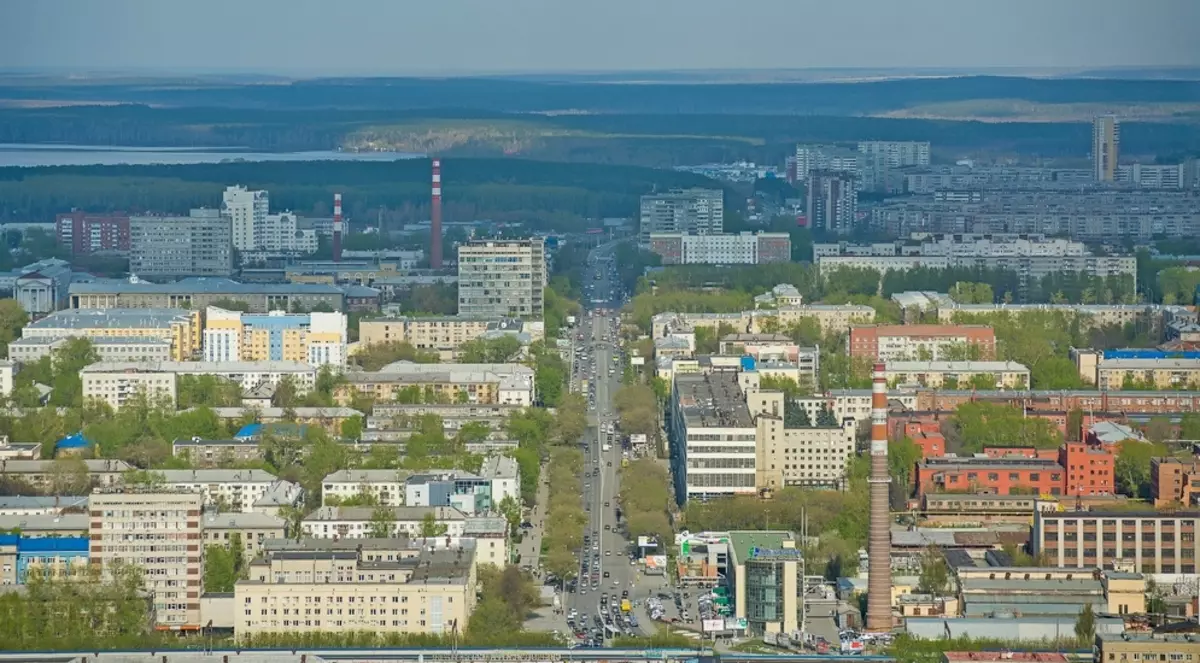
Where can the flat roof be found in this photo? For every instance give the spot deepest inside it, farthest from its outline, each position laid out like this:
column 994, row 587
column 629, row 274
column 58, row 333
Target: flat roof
column 45, row 522
column 144, row 318
column 237, row 520
column 202, row 285
column 217, row 476
column 742, row 542
column 274, row 366
column 712, row 401
column 955, row 366
column 399, row 513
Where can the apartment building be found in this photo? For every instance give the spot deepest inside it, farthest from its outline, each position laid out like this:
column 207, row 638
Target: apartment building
column 112, row 348
column 1106, row 140
column 198, row 293
column 40, row 473
column 444, row 334
column 832, row 203
column 689, row 211
column 406, row 382
column 853, row 403
column 712, row 437
column 505, row 477
column 963, row 181
column 314, row 338
column 356, row 522
column 250, row 530
column 831, row 317
column 1154, row 318
column 890, row 343
column 199, row 244
column 952, row 374
column 502, row 278
column 1113, row 647
column 1031, row 256
column 246, row 212
column 381, row 588
column 810, row 457
column 24, row 556
column 113, row 329
column 1161, row 373
column 898, row 153
column 232, row 490
column 1130, row 402
column 85, row 233
column 1150, row 541
column 1153, row 175
column 1174, row 481
column 745, row 248
column 385, row 486
column 208, row 453
column 116, row 382
column 160, row 533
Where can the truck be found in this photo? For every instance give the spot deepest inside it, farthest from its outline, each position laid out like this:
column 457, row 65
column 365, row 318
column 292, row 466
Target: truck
column 606, row 447
column 625, row 606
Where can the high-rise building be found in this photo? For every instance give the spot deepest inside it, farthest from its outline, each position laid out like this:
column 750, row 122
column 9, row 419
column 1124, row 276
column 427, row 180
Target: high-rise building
column 502, row 278
column 159, row 533
column 195, row 245
column 86, row 233
column 247, row 212
column 898, row 153
column 1106, row 140
column 696, row 211
column 832, row 201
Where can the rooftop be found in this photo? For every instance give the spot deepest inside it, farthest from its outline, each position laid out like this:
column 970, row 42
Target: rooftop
column 399, row 513
column 217, row 476
column 40, row 502
column 201, row 367
column 144, row 318
column 94, row 465
column 241, row 521
column 712, row 401
column 499, row 467
column 743, row 542
column 368, row 476
column 955, row 367
column 278, row 412
column 1149, row 364
column 45, row 522
column 983, row 462
column 209, row 285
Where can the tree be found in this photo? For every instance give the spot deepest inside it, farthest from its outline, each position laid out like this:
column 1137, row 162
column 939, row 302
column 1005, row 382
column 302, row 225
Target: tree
column 1132, row 467
column 903, row 456
column 795, row 416
column 511, row 510
column 12, row 319
column 69, row 476
column 1075, row 425
column 1085, row 625
column 375, row 356
column 352, row 428
column 826, row 418
column 935, row 573
column 220, row 569
column 430, row 527
column 382, row 524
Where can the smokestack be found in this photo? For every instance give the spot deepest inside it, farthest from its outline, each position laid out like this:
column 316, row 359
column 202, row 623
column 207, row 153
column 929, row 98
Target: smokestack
column 337, row 227
column 435, row 218
column 879, row 540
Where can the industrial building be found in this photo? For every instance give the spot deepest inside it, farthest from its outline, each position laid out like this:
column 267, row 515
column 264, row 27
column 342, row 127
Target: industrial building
column 502, row 278
column 1152, row 542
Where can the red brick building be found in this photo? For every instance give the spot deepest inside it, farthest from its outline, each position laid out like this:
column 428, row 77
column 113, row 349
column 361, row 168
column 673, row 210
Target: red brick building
column 1111, row 402
column 925, row 434
column 1073, row 469
column 86, row 233
column 920, row 342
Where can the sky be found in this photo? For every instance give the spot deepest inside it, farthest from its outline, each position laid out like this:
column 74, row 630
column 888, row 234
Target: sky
column 398, row 37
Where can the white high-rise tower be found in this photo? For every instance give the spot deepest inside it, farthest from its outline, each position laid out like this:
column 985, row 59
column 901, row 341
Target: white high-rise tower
column 247, row 211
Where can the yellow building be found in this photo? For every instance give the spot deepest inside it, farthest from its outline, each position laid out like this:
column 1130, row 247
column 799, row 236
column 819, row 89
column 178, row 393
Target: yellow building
column 488, row 384
column 958, row 374
column 380, row 585
column 1142, row 647
column 1162, row 374
column 180, row 327
column 1125, row 592
column 315, row 338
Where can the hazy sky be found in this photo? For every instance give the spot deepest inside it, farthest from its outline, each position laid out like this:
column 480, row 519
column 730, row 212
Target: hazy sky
column 461, row 36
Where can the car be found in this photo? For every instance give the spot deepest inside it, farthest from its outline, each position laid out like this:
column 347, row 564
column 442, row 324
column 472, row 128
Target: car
column 610, row 465
column 606, row 574
column 616, row 583
column 606, row 505
column 607, row 553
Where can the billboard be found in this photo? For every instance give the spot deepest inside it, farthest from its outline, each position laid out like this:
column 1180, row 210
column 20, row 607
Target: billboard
column 656, row 564
column 647, row 542
column 733, row 624
column 710, row 625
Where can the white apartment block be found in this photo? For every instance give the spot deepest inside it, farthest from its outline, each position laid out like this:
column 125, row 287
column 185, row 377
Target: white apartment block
column 898, row 153
column 1152, row 176
column 811, row 457
column 502, row 278
column 955, row 374
column 853, row 403
column 716, row 437
column 235, row 490
column 386, row 486
column 161, row 534
column 692, row 211
column 355, row 522
column 247, row 212
column 280, row 235
column 505, row 475
column 832, row 318
column 314, row 338
column 722, row 249
column 115, row 383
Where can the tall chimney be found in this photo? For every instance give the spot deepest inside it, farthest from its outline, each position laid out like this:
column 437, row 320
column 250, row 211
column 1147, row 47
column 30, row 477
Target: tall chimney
column 879, row 540
column 435, row 218
column 337, row 227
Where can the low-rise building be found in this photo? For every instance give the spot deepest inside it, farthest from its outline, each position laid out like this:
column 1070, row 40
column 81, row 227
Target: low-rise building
column 1157, row 373
column 115, row 348
column 46, row 525
column 505, row 475
column 19, row 450
column 47, row 556
column 234, row 490
column 214, row 453
column 382, row 589
column 1174, row 481
column 198, row 293
column 180, row 328
column 1127, row 646
column 465, row 491
column 329, row 418
column 1148, row 541
column 386, row 487
column 37, row 505
column 356, row 522
column 508, row 384
column 951, row 374
column 41, row 475
column 744, row 248
column 443, row 334
column 114, row 383
column 250, row 530
column 889, row 343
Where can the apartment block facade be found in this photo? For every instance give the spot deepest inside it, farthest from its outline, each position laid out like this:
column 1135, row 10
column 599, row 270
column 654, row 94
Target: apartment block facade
column 502, row 278
column 85, row 233
column 722, row 249
column 832, row 204
column 314, row 338
column 1153, row 542
column 889, row 343
column 689, row 211
column 199, row 244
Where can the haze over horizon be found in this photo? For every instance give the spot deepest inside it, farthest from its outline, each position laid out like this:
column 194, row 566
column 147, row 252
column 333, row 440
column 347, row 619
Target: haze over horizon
column 455, row 37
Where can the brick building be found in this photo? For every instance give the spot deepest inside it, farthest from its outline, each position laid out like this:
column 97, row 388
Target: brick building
column 920, row 342
column 1116, row 402
column 1154, row 542
column 926, row 434
column 86, row 233
column 1073, row 469
column 1174, row 480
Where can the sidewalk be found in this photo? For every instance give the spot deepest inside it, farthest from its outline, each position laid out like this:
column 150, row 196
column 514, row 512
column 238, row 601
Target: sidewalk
column 530, row 547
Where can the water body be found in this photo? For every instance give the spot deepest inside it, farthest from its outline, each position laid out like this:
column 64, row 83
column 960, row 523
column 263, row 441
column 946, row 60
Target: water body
column 27, row 155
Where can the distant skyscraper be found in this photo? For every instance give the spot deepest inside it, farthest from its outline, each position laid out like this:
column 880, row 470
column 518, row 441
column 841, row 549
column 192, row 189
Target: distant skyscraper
column 247, row 212
column 832, row 201
column 1106, row 139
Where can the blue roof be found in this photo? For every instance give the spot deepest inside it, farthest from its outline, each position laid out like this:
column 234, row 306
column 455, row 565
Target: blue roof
column 9, row 539
column 748, row 363
column 53, row 544
column 1144, row 353
column 249, row 430
column 76, row 441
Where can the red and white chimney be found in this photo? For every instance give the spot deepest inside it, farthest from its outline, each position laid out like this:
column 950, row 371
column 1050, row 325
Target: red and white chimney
column 337, row 227
column 435, row 218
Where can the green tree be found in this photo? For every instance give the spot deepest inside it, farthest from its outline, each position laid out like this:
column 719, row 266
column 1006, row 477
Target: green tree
column 352, row 428
column 1085, row 625
column 1132, row 467
column 220, row 569
column 430, row 527
column 13, row 318
column 826, row 418
column 903, row 456
column 382, row 524
column 934, row 577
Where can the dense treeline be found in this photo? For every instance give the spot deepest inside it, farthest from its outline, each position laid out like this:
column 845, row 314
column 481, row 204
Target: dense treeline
column 556, row 195
column 615, row 96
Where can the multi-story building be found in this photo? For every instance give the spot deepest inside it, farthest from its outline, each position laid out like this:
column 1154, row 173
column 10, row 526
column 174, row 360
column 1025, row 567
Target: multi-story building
column 852, row 403
column 43, row 286
column 1174, row 481
column 690, row 211
column 1161, row 373
column 867, row 169
column 766, row 572
column 385, row 486
column 281, row 234
column 808, row 456
column 952, row 374
column 247, row 214
column 115, row 382
column 1030, row 256
column 713, row 437
column 1150, row 541
column 37, row 505
column 314, row 338
column 467, row 492
column 41, row 473
column 1146, row 647
column 358, row 522
column 160, row 533
column 232, row 490
column 508, row 384
column 198, row 293
column 378, row 588
column 504, row 475
column 898, row 153
column 171, row 246
column 111, row 330
column 1155, row 319
column 832, row 201
column 443, row 334
column 85, row 233
column 112, row 348
column 1130, row 402
column 250, row 530
column 961, row 182
column 835, row 318
column 44, row 526
column 208, row 453
column 922, row 342
column 502, row 278
column 1153, row 175
column 1106, row 140
column 722, row 249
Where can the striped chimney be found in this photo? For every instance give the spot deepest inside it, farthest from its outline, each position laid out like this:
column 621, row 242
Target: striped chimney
column 337, row 227
column 879, row 540
column 435, row 218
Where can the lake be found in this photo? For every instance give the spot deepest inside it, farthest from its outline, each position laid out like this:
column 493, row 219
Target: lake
column 107, row 155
